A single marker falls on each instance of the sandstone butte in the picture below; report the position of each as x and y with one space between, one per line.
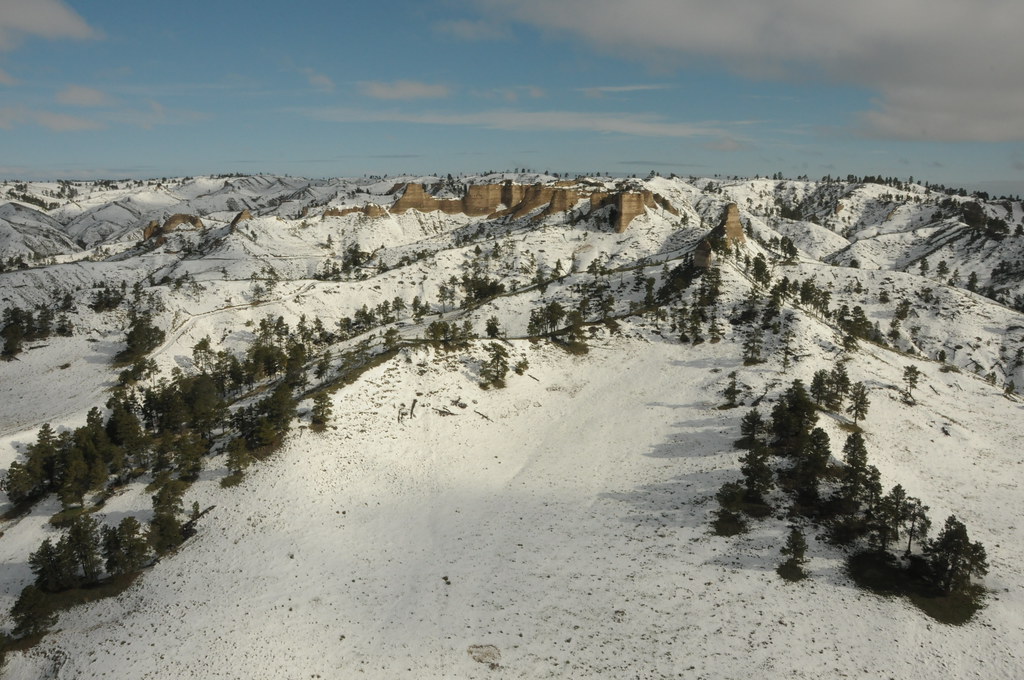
729 231
170 224
517 200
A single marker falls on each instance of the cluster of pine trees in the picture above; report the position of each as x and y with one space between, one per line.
790 454
18 326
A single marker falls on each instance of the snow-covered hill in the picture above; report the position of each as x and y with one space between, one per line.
558 526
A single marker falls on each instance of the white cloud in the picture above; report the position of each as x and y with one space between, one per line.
567 121
403 89
513 93
960 59
40 18
317 80
6 78
603 90
77 95
727 144
155 114
15 116
471 31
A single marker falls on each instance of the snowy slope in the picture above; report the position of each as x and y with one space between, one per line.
559 527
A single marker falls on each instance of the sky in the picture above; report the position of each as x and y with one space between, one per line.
930 89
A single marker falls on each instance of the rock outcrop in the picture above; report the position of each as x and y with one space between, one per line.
730 229
150 230
369 210
239 218
170 224
729 232
519 201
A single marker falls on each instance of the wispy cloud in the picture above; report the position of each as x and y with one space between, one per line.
567 121
318 81
77 95
51 19
471 31
728 144
929 87
604 90
403 89
660 164
15 116
155 114
6 78
513 93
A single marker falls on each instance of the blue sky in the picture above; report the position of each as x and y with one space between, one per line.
932 89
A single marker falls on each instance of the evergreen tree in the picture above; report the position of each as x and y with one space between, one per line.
819 386
731 391
83 539
859 402
855 479
321 411
917 523
889 517
239 456
757 474
811 465
752 346
911 376
494 370
954 559
165 533
125 549
792 419
795 551
31 612
752 430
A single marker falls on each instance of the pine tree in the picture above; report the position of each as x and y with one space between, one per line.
731 390
125 549
954 559
819 386
494 370
911 376
752 346
757 474
83 540
859 402
889 517
854 482
31 612
793 417
811 465
795 550
917 523
752 430
321 411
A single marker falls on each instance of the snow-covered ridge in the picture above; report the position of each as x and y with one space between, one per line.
558 526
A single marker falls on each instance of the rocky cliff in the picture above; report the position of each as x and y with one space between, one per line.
518 201
170 224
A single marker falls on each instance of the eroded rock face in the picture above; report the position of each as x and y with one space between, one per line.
369 210
175 221
239 218
151 230
170 224
730 228
518 201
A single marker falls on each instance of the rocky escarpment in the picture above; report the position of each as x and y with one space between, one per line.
169 225
518 201
239 218
729 231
